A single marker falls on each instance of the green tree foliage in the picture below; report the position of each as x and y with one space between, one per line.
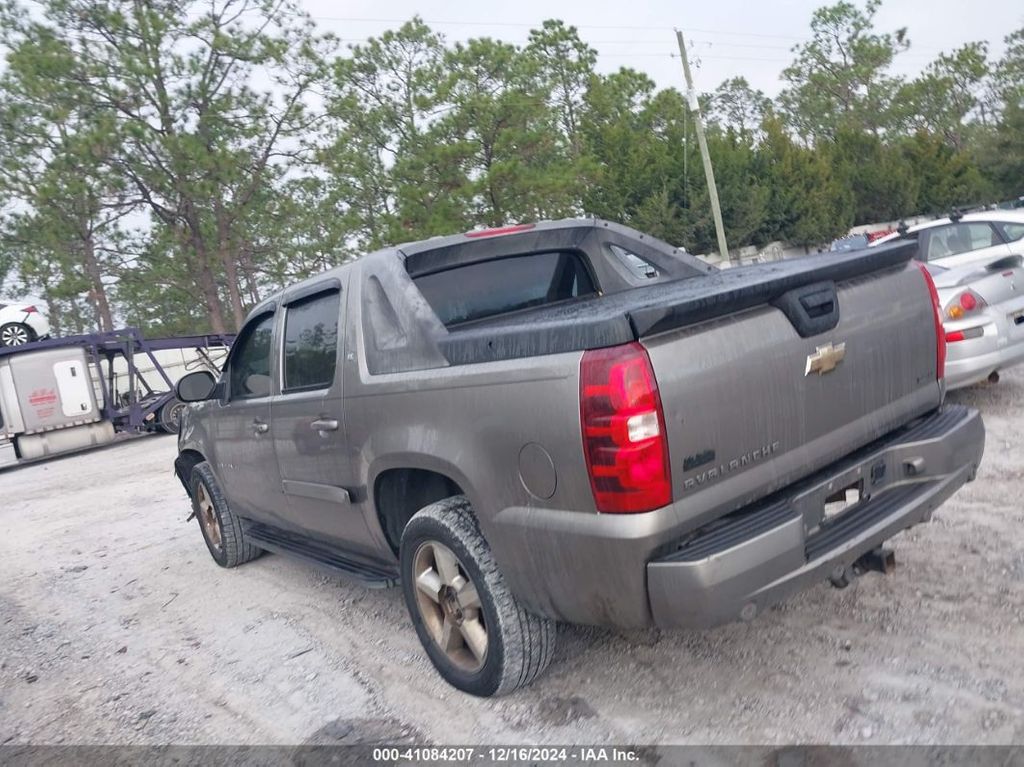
949 91
735 105
808 202
1001 153
194 141
840 77
167 163
565 66
1008 75
55 147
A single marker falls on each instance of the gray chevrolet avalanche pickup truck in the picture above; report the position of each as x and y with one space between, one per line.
572 421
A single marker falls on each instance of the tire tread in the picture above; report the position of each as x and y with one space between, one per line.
237 550
528 640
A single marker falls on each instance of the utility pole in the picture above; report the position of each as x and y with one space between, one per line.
691 96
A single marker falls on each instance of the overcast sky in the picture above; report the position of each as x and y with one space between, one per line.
730 37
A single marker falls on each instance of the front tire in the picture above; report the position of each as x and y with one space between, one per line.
222 530
474 631
16 334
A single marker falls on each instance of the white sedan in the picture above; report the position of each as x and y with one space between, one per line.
21 323
968 239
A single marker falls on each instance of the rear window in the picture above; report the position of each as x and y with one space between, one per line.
637 266
489 288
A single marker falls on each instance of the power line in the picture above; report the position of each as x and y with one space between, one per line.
437 22
631 28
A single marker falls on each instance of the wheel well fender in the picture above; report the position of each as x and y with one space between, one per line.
186 461
399 493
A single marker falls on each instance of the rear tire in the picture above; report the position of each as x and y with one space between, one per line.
169 419
223 532
474 631
16 334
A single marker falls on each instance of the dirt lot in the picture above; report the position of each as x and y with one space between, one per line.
117 627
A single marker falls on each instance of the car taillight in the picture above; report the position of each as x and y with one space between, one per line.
30 310
624 437
940 335
964 304
964 335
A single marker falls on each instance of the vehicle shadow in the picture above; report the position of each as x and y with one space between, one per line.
119 439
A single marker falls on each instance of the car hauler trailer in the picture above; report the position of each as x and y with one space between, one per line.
73 393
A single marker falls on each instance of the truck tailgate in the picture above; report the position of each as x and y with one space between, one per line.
751 405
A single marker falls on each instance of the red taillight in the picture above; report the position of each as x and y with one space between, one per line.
30 310
954 336
968 301
500 230
624 437
940 335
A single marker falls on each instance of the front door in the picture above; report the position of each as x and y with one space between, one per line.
308 421
244 461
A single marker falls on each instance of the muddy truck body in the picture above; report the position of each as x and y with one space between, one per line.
573 421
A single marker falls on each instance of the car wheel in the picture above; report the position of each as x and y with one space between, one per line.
170 416
473 629
16 334
223 532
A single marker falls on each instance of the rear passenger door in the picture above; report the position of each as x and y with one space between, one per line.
308 417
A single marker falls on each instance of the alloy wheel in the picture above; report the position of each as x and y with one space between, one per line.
208 518
450 606
14 335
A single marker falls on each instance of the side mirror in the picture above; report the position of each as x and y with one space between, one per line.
196 387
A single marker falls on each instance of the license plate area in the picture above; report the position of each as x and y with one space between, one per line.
842 500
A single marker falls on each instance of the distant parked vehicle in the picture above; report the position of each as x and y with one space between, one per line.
983 318
850 242
76 392
972 238
21 323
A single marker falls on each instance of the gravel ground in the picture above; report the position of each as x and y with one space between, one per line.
117 627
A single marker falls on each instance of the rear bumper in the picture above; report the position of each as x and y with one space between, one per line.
1001 346
759 556
738 565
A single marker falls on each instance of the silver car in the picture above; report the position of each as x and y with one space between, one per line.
983 316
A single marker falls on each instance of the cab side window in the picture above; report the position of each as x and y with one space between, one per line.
249 372
311 342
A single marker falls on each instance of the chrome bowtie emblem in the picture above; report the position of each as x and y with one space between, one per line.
825 359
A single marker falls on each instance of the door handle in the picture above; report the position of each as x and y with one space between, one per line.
259 427
324 424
